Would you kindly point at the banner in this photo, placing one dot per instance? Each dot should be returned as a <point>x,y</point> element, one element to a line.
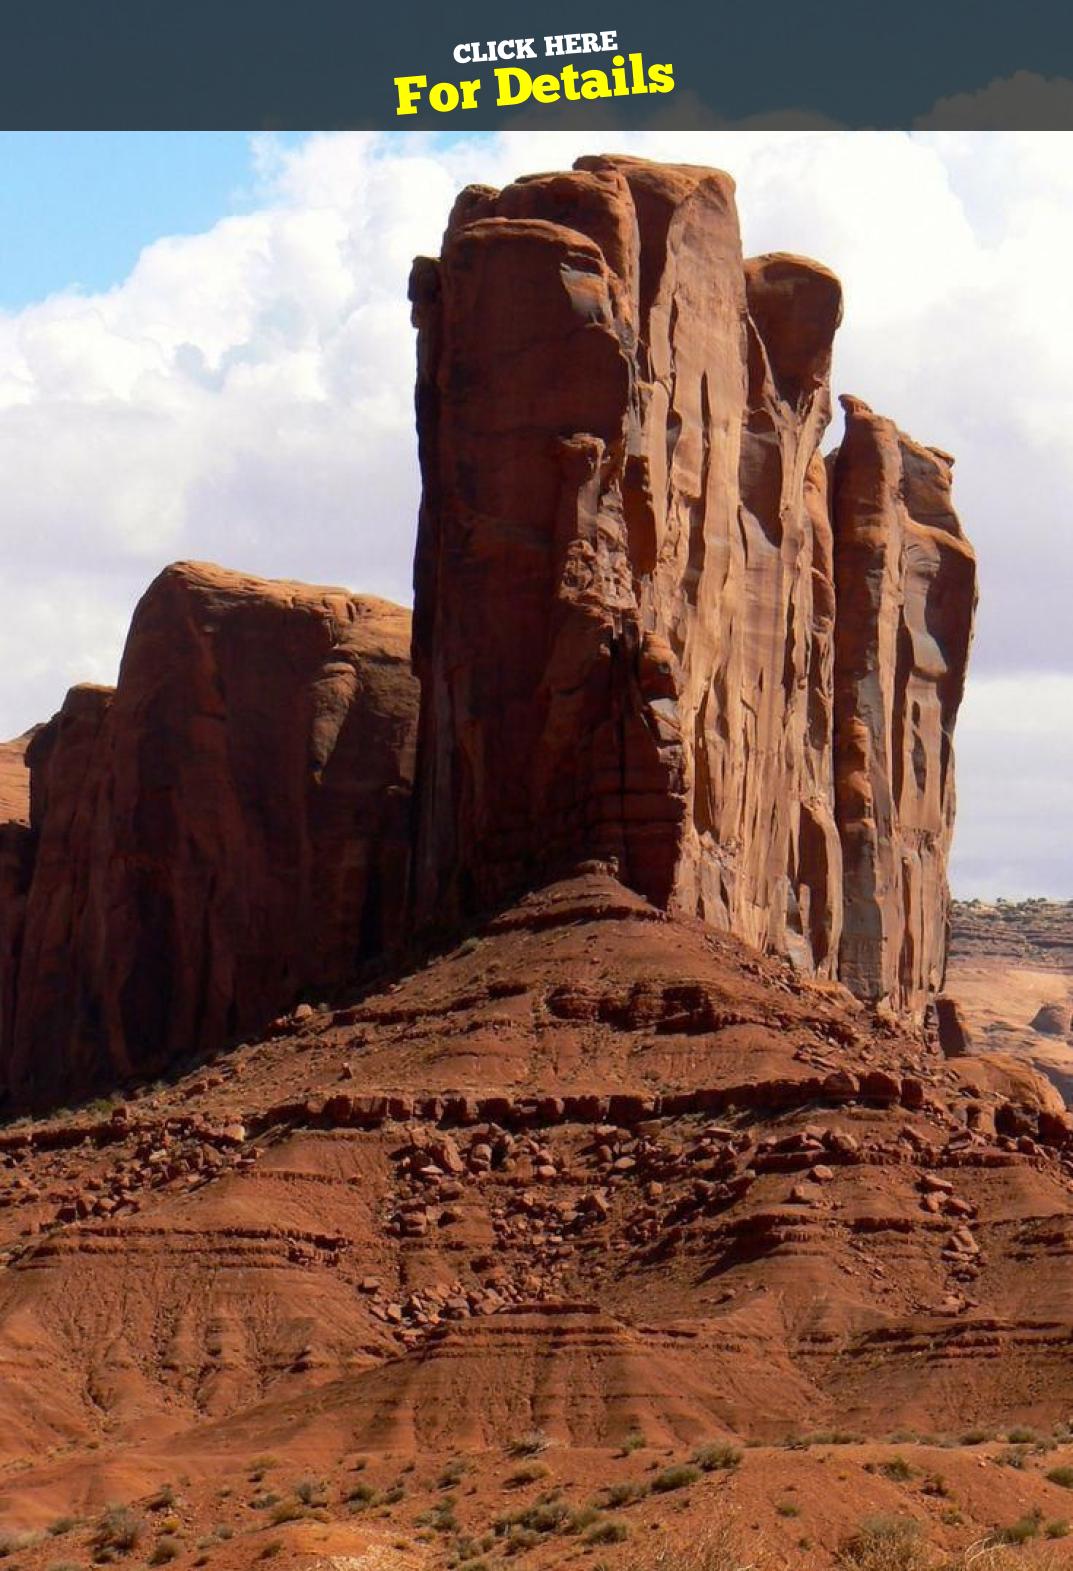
<point>151,64</point>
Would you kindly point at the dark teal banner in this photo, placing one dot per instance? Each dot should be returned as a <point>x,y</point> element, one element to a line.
<point>235,64</point>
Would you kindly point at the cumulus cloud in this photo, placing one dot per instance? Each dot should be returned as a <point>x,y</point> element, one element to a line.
<point>245,394</point>
<point>1015,762</point>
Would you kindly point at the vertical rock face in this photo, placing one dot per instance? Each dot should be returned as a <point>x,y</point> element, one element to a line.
<point>226,830</point>
<point>651,623</point>
<point>615,589</point>
<point>628,588</point>
<point>905,581</point>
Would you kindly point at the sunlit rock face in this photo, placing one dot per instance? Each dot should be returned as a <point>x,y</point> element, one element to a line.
<point>629,580</point>
<point>224,832</point>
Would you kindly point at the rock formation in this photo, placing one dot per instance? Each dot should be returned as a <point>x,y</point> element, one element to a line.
<point>643,629</point>
<point>955,1038</point>
<point>905,584</point>
<point>1051,1020</point>
<point>225,831</point>
<point>601,1181</point>
<point>652,626</point>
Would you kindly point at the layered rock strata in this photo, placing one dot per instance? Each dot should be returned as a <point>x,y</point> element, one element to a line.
<point>644,629</point>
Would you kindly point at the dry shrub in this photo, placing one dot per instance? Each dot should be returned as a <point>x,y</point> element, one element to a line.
<point>118,1531</point>
<point>885,1543</point>
<point>1000,1557</point>
<point>880,1544</point>
<point>529,1444</point>
<point>718,1547</point>
<point>883,1546</point>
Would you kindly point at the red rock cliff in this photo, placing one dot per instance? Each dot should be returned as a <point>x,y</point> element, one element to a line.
<point>627,586</point>
<point>906,591</point>
<point>227,830</point>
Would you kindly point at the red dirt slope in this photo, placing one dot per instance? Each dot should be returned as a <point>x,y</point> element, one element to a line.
<point>595,1171</point>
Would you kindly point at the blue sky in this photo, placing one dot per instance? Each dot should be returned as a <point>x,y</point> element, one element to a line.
<point>206,351</point>
<point>76,207</point>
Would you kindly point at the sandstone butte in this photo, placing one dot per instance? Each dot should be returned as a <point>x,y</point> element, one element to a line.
<point>650,622</point>
<point>653,1154</point>
<point>223,832</point>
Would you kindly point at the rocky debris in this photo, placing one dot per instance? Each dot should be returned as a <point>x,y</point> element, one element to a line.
<point>363,1110</point>
<point>173,1156</point>
<point>217,836</point>
<point>962,1254</point>
<point>439,1303</point>
<point>441,1148</point>
<point>630,464</point>
<point>937,1193</point>
<point>453,1214</point>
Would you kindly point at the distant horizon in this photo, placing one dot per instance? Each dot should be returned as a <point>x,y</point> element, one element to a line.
<point>1005,900</point>
<point>205,351</point>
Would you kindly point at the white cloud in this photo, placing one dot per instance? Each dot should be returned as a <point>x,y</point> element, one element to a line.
<point>246,393</point>
<point>1014,765</point>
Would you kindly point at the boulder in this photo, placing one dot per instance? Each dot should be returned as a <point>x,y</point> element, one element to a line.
<point>955,1038</point>
<point>1051,1020</point>
<point>1005,1076</point>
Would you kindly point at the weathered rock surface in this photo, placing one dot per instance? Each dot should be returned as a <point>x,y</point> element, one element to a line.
<point>226,830</point>
<point>15,780</point>
<point>1035,935</point>
<point>637,633</point>
<point>905,583</point>
<point>955,1038</point>
<point>1051,1020</point>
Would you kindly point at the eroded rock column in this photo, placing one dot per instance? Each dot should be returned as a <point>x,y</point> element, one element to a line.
<point>623,578</point>
<point>905,580</point>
